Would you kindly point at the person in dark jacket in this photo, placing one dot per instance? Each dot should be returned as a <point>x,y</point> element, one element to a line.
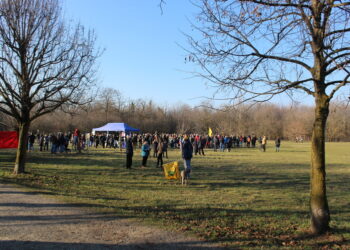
<point>201,144</point>
<point>155,148</point>
<point>187,153</point>
<point>31,140</point>
<point>54,144</point>
<point>278,144</point>
<point>41,142</point>
<point>160,147</point>
<point>129,152</point>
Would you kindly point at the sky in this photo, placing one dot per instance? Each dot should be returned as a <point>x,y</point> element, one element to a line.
<point>144,53</point>
<point>143,57</point>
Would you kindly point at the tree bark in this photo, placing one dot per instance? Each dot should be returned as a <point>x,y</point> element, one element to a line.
<point>320,215</point>
<point>22,148</point>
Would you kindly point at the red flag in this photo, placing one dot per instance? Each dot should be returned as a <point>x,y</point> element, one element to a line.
<point>8,139</point>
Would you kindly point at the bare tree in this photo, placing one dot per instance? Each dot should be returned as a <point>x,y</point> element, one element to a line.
<point>337,123</point>
<point>261,48</point>
<point>297,122</point>
<point>44,63</point>
<point>5,122</point>
<point>108,98</point>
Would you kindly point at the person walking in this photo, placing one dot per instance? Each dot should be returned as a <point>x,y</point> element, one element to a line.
<point>278,144</point>
<point>129,152</point>
<point>145,148</point>
<point>187,153</point>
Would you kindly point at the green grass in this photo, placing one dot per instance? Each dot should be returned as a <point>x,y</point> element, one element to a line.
<point>242,199</point>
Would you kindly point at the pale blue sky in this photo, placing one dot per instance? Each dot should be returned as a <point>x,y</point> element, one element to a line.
<point>142,57</point>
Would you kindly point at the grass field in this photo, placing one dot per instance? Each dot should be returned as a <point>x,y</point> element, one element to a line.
<point>243,199</point>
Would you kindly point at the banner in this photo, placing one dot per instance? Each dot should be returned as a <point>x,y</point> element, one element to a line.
<point>8,139</point>
<point>171,170</point>
<point>210,132</point>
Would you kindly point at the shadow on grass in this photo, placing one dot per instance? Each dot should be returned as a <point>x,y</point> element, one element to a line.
<point>341,230</point>
<point>248,235</point>
<point>25,193</point>
<point>203,213</point>
<point>262,176</point>
<point>60,219</point>
<point>50,205</point>
<point>187,216</point>
<point>330,240</point>
<point>54,192</point>
<point>59,245</point>
<point>93,158</point>
<point>71,160</point>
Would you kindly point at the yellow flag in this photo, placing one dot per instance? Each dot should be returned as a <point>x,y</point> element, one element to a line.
<point>171,170</point>
<point>210,132</point>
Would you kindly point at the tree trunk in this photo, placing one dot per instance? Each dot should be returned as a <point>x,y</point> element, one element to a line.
<point>22,148</point>
<point>320,215</point>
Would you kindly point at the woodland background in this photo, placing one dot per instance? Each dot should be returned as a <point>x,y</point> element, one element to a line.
<point>268,119</point>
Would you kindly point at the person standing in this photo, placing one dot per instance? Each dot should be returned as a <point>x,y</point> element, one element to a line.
<point>201,144</point>
<point>187,153</point>
<point>91,140</point>
<point>54,144</point>
<point>249,139</point>
<point>76,135</point>
<point>165,146</point>
<point>222,143</point>
<point>46,142</point>
<point>155,147</point>
<point>195,144</point>
<point>145,148</point>
<point>97,140</point>
<point>263,143</point>
<point>160,148</point>
<point>215,143</point>
<point>103,140</point>
<point>254,141</point>
<point>61,143</point>
<point>129,152</point>
<point>31,140</point>
<point>229,143</point>
<point>278,144</point>
<point>41,142</point>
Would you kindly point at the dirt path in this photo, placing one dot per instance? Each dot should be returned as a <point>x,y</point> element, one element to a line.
<point>29,220</point>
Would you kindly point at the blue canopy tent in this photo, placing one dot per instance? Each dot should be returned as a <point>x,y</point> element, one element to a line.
<point>116,127</point>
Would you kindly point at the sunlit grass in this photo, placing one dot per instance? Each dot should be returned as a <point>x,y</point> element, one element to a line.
<point>244,198</point>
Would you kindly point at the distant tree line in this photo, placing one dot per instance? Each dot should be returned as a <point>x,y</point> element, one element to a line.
<point>267,119</point>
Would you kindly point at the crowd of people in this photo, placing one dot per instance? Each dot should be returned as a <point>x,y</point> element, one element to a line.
<point>158,144</point>
<point>60,142</point>
<point>57,142</point>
